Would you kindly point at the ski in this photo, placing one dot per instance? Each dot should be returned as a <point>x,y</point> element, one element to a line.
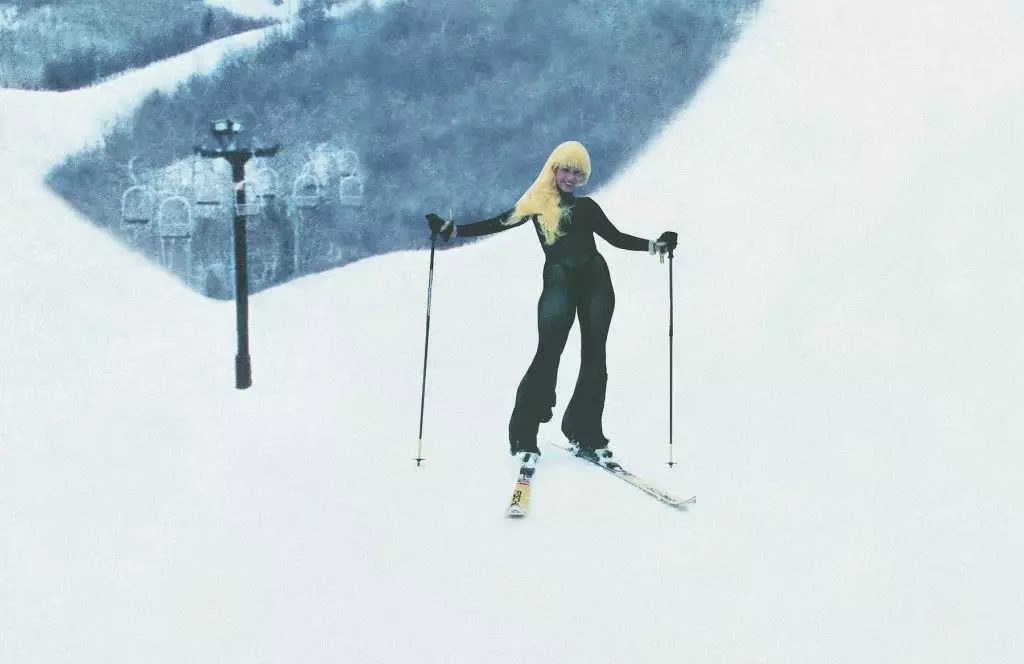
<point>519,505</point>
<point>617,470</point>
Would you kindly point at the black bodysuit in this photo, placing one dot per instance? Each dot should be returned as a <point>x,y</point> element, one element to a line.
<point>576,281</point>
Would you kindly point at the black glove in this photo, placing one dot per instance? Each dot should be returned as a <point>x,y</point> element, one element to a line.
<point>666,241</point>
<point>439,225</point>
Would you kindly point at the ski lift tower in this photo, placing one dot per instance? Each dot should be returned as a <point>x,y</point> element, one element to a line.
<point>226,132</point>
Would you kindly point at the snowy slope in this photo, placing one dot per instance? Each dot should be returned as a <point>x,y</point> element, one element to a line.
<point>258,8</point>
<point>846,188</point>
<point>267,9</point>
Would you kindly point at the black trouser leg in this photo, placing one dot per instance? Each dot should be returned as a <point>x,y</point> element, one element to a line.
<point>596,303</point>
<point>556,312</point>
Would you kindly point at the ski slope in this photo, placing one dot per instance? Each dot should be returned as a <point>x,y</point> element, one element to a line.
<point>287,8</point>
<point>259,8</point>
<point>846,187</point>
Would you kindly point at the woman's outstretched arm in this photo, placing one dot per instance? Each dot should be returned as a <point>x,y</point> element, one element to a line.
<point>603,227</point>
<point>488,226</point>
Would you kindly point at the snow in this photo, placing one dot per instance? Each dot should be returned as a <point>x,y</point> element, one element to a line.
<point>267,9</point>
<point>848,358</point>
<point>258,8</point>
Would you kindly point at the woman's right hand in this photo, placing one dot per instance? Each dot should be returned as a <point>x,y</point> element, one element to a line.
<point>667,241</point>
<point>440,226</point>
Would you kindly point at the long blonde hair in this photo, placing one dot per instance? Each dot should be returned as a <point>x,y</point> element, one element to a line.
<point>542,197</point>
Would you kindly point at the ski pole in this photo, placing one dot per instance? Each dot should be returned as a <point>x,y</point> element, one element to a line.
<point>426,345</point>
<point>671,307</point>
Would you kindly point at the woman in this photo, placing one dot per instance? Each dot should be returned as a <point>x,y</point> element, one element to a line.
<point>576,282</point>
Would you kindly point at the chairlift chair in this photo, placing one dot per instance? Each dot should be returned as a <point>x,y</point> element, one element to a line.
<point>306,191</point>
<point>174,218</point>
<point>265,182</point>
<point>137,204</point>
<point>207,193</point>
<point>350,191</point>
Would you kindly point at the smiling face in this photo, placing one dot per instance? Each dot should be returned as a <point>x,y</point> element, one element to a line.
<point>566,179</point>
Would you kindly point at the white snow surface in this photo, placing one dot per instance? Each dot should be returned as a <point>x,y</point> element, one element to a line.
<point>848,310</point>
<point>258,8</point>
<point>267,9</point>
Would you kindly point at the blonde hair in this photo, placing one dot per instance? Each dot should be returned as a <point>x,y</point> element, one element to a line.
<point>542,197</point>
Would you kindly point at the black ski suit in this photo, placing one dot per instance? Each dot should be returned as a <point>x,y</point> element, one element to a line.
<point>576,281</point>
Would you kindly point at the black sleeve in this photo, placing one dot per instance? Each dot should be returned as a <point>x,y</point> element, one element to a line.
<point>488,226</point>
<point>612,235</point>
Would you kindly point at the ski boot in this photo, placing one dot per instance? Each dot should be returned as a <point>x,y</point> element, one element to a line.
<point>601,455</point>
<point>592,447</point>
<point>582,440</point>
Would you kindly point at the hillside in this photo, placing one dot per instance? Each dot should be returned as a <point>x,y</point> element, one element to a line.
<point>48,45</point>
<point>392,112</point>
